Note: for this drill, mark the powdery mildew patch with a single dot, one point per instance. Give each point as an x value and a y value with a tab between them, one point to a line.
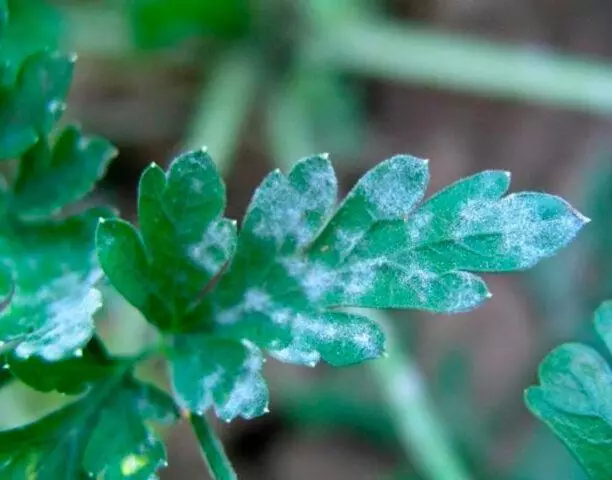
215	247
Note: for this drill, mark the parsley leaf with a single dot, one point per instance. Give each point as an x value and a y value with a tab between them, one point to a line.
70	376
299	261
296	261
102	434
574	398
221	372
182	244
52	177
55	270
51	257
30	107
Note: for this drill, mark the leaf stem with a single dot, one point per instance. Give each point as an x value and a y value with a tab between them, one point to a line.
219	466
418	426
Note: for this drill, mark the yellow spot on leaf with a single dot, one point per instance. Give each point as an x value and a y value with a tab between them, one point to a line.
132	463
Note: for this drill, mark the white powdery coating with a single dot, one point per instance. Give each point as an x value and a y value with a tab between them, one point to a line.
317	281
345	241
395	187
460	291
213	250
359	278
467	296
473	218
322	186
283	207
312	332
63	330
55	107
295	354
301	349
253	300
525	236
315	278
229	316
248	397
256	300
194	378
418	225
196	186
199	396
66	324
281	316
420	281
281	211
83	143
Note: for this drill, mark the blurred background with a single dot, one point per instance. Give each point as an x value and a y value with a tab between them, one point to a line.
522	85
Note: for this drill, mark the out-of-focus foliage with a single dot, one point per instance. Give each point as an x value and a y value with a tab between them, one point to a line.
160	23
35	25
574	398
297	258
303	62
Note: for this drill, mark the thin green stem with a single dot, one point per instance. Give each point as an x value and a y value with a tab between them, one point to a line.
219	466
223	106
420	55
418	426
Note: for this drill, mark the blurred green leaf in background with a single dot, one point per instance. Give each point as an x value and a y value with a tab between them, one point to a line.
162	23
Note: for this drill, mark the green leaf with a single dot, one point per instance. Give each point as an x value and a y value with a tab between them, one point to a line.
3	16
102	435
299	261
55	270
182	244
30	107
159	23
34	26
296	259
208	371
71	376
574	399
49	178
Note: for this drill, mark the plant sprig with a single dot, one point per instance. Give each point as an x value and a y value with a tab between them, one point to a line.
286	283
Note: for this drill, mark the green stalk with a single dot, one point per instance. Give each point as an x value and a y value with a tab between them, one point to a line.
219	466
223	106
415	54
418	426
